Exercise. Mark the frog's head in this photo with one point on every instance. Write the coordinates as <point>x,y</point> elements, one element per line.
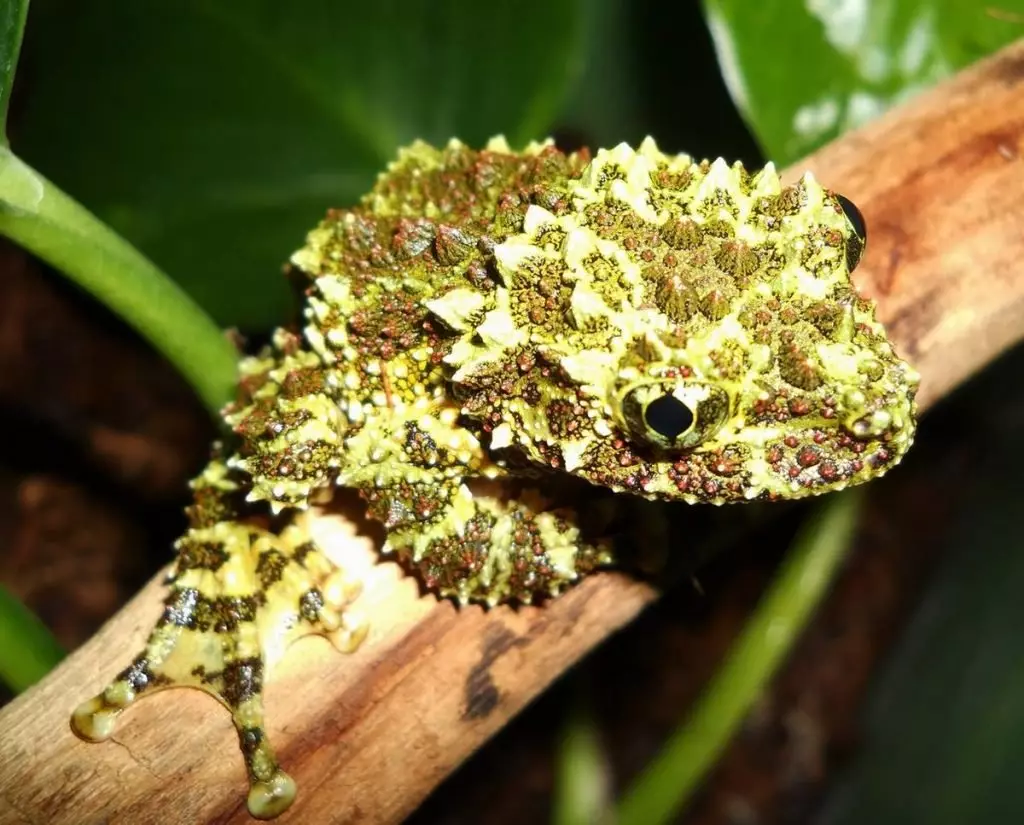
<point>690,331</point>
<point>752,409</point>
<point>782,386</point>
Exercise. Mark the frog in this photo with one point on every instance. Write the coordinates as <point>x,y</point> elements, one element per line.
<point>496,348</point>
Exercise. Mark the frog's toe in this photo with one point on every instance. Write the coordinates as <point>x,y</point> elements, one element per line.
<point>271,790</point>
<point>350,634</point>
<point>271,797</point>
<point>321,591</point>
<point>95,719</point>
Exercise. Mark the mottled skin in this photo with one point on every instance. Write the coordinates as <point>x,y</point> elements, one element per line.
<point>497,342</point>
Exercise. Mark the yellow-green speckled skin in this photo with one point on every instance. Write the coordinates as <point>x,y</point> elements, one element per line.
<point>491,337</point>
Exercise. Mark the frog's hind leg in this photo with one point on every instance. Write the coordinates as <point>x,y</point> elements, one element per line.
<point>239,595</point>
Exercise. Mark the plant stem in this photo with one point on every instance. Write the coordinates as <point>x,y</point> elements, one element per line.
<point>582,786</point>
<point>43,219</point>
<point>665,785</point>
<point>28,650</point>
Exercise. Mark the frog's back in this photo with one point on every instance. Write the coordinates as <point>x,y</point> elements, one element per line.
<point>429,226</point>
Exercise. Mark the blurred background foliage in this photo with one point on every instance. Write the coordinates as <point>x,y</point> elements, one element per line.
<point>213,133</point>
<point>943,737</point>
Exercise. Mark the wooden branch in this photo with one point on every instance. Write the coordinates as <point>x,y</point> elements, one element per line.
<point>368,735</point>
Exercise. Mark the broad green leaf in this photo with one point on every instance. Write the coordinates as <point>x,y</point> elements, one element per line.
<point>214,133</point>
<point>12,25</point>
<point>805,71</point>
<point>608,102</point>
<point>650,69</point>
<point>40,217</point>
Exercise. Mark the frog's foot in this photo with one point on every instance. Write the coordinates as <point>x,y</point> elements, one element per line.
<point>239,596</point>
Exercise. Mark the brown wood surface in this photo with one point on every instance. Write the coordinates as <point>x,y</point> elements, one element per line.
<point>368,735</point>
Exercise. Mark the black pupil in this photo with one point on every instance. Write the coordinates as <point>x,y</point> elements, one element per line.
<point>855,246</point>
<point>668,416</point>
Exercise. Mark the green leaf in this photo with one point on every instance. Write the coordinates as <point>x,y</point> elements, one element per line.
<point>214,133</point>
<point>607,103</point>
<point>662,790</point>
<point>803,72</point>
<point>28,651</point>
<point>12,25</point>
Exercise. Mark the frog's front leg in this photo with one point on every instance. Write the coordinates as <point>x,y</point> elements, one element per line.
<point>467,527</point>
<point>488,542</point>
<point>239,596</point>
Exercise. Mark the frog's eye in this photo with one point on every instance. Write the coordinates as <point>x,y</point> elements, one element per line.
<point>674,417</point>
<point>855,245</point>
<point>668,416</point>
